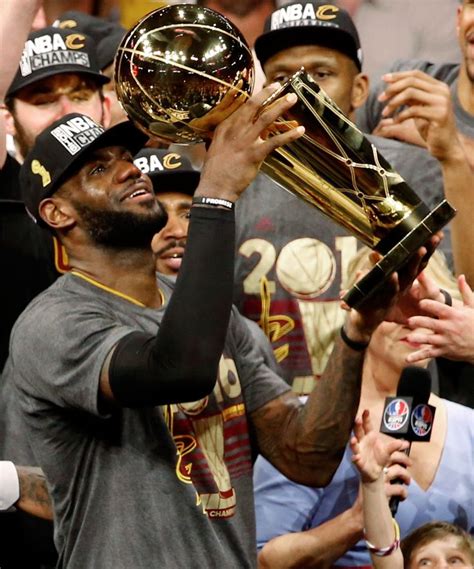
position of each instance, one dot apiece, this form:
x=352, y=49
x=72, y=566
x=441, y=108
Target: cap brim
x=175, y=181
x=49, y=71
x=274, y=41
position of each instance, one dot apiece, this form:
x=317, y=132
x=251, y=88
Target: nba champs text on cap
x=51, y=51
x=312, y=23
x=62, y=147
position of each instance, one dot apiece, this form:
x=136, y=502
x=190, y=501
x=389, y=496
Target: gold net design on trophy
x=336, y=169
x=183, y=69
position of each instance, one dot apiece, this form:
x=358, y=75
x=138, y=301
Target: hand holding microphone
x=407, y=415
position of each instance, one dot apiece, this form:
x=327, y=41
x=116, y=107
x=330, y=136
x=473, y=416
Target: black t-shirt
x=27, y=254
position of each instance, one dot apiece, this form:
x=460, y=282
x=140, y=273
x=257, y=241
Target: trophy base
x=399, y=254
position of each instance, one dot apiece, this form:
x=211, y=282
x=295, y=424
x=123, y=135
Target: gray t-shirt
x=370, y=114
x=166, y=486
x=291, y=260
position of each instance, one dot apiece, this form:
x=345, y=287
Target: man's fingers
x=405, y=131
x=400, y=81
x=429, y=286
x=278, y=140
x=435, y=309
x=395, y=446
x=427, y=352
x=367, y=421
x=397, y=471
x=399, y=457
x=412, y=269
x=426, y=113
x=399, y=490
x=412, y=96
x=466, y=291
x=425, y=338
x=395, y=76
x=358, y=429
x=270, y=113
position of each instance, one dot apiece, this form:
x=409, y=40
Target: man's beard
x=122, y=229
x=23, y=140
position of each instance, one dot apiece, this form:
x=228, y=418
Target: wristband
x=357, y=346
x=213, y=202
x=385, y=551
x=9, y=485
x=448, y=299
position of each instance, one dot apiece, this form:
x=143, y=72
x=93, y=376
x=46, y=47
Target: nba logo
x=396, y=415
x=421, y=420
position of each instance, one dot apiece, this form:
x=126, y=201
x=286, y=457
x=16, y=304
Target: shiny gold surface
x=336, y=169
x=181, y=70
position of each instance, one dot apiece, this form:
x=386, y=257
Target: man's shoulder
x=60, y=302
x=393, y=149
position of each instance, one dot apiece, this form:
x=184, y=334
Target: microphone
x=407, y=415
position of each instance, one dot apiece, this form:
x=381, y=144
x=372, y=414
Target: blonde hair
x=437, y=269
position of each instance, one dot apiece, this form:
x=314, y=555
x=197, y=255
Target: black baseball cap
x=95, y=27
x=59, y=150
x=51, y=51
x=107, y=48
x=107, y=35
x=309, y=23
x=169, y=171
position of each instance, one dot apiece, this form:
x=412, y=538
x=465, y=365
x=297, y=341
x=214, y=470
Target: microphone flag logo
x=396, y=415
x=421, y=420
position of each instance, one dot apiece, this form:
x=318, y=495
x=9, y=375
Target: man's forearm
x=34, y=495
x=306, y=443
x=458, y=176
x=322, y=428
x=315, y=548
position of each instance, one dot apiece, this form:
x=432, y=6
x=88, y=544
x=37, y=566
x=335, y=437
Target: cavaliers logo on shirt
x=212, y=443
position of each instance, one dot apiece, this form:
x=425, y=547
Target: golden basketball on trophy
x=183, y=69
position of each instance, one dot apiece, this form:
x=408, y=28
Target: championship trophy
x=183, y=69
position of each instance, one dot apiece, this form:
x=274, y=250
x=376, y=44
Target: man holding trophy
x=106, y=390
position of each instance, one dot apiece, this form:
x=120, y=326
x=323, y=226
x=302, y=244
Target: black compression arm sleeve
x=181, y=363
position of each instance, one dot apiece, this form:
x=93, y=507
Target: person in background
x=174, y=182
x=389, y=34
x=35, y=93
x=310, y=528
x=107, y=36
x=450, y=329
x=434, y=544
x=291, y=259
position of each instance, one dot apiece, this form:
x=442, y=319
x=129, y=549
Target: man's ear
x=106, y=111
x=360, y=90
x=57, y=213
x=458, y=20
x=9, y=122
